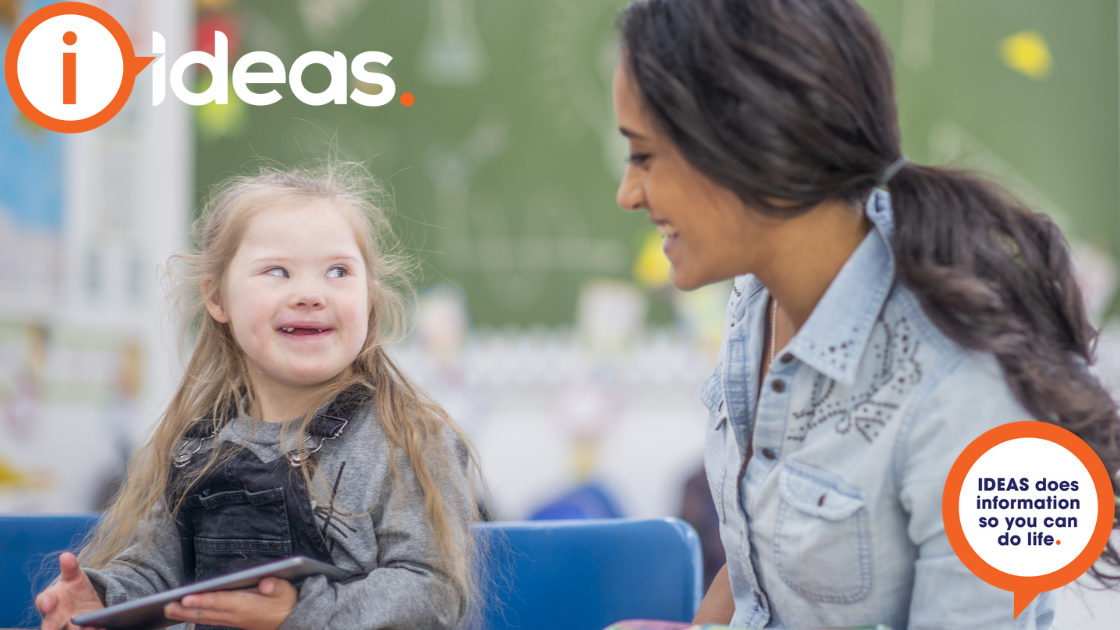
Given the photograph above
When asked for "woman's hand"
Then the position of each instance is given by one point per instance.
(73, 594)
(261, 608)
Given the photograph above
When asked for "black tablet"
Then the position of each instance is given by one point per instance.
(146, 613)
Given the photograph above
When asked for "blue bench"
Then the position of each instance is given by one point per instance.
(539, 575)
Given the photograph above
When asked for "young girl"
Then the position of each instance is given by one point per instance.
(292, 432)
(871, 335)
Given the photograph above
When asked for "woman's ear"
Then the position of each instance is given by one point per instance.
(213, 298)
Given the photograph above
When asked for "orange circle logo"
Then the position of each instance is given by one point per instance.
(70, 67)
(1028, 507)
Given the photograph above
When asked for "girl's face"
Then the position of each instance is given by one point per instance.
(710, 235)
(296, 297)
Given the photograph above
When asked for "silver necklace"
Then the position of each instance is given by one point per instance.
(773, 329)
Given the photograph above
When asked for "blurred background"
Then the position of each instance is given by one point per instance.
(546, 324)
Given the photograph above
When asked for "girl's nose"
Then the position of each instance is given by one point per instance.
(308, 297)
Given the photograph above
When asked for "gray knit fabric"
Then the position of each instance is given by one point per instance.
(380, 534)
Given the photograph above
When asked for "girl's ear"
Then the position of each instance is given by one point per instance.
(213, 297)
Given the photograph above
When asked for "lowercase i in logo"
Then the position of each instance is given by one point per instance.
(70, 67)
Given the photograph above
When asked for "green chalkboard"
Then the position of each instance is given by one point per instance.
(1048, 130)
(504, 170)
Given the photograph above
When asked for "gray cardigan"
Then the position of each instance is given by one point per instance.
(386, 538)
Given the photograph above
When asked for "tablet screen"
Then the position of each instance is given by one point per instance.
(146, 613)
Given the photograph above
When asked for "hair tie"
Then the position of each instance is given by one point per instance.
(892, 170)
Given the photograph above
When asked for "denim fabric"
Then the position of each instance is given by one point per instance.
(835, 519)
(244, 513)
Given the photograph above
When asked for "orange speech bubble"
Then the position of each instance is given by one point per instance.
(132, 66)
(1027, 587)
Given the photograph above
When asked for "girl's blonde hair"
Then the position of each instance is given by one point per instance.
(216, 377)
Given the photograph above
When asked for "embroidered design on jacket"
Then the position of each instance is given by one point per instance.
(868, 410)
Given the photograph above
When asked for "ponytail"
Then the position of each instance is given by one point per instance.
(996, 277)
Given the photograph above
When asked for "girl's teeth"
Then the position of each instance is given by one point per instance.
(288, 330)
(666, 231)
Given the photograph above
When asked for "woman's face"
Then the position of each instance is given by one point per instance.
(710, 235)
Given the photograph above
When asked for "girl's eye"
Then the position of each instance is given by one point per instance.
(279, 272)
(337, 272)
(638, 159)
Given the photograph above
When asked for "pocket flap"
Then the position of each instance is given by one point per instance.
(818, 492)
(241, 497)
(711, 391)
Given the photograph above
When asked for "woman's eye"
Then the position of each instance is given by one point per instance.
(638, 159)
(337, 272)
(279, 272)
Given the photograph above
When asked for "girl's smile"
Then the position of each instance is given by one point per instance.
(296, 298)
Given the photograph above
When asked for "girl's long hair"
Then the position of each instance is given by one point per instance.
(793, 100)
(216, 379)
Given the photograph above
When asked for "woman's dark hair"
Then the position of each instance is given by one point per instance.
(793, 100)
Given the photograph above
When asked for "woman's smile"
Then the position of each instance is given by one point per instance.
(710, 235)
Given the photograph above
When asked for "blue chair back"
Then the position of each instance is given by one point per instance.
(588, 574)
(25, 544)
(540, 575)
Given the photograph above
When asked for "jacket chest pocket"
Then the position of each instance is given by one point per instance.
(236, 529)
(822, 542)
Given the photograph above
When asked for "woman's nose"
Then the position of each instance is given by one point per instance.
(630, 195)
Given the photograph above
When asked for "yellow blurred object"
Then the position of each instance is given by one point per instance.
(585, 456)
(651, 267)
(11, 478)
(1027, 52)
(215, 121)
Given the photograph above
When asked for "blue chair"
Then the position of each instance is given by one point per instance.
(542, 575)
(26, 564)
(587, 574)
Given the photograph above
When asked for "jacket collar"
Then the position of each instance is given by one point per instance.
(834, 338)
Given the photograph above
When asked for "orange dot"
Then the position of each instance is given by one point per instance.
(407, 99)
(69, 38)
(1057, 542)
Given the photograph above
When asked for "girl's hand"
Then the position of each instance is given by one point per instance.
(73, 594)
(261, 608)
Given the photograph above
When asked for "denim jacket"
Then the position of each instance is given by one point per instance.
(835, 520)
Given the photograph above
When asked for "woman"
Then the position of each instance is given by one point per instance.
(870, 335)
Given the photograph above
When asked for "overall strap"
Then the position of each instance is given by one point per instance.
(328, 425)
(197, 433)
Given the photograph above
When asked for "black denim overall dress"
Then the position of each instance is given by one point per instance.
(245, 512)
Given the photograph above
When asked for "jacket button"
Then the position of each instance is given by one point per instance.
(768, 454)
(787, 357)
(778, 386)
